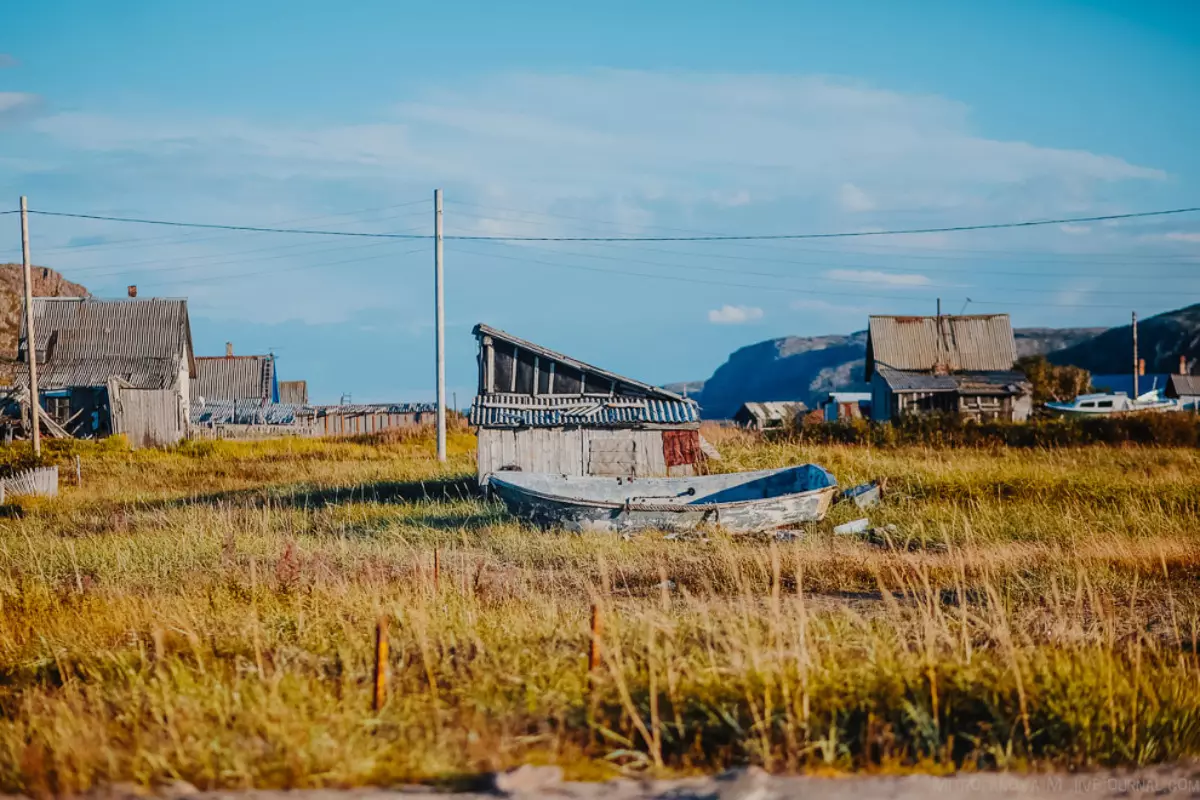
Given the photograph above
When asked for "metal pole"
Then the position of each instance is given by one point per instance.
(1135, 358)
(30, 336)
(441, 325)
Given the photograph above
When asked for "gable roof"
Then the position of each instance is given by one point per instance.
(234, 378)
(622, 385)
(771, 411)
(978, 342)
(84, 341)
(1183, 386)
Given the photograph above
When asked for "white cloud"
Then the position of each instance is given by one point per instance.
(14, 101)
(852, 198)
(734, 315)
(1180, 236)
(877, 278)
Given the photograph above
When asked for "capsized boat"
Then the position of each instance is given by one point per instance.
(740, 502)
(1091, 405)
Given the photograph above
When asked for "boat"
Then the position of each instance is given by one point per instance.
(1096, 405)
(740, 502)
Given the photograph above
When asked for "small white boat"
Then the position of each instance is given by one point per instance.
(1094, 405)
(741, 502)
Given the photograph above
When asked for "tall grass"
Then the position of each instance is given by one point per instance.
(208, 615)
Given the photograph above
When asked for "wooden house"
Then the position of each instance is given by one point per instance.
(771, 415)
(538, 410)
(948, 364)
(113, 366)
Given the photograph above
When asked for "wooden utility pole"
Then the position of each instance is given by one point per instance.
(1135, 358)
(30, 336)
(441, 325)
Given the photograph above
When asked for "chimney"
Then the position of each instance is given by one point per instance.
(229, 349)
(133, 290)
(1141, 366)
(1183, 365)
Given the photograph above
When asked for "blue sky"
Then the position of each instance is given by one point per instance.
(617, 119)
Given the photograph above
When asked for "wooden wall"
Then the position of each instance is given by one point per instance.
(576, 451)
(148, 417)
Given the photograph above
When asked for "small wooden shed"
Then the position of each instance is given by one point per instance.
(538, 410)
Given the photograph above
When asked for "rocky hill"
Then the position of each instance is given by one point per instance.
(805, 367)
(46, 283)
(1162, 339)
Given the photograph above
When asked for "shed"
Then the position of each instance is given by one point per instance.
(951, 364)
(293, 392)
(538, 410)
(1185, 389)
(113, 366)
(765, 416)
(842, 406)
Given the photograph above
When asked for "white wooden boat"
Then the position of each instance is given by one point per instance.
(1096, 405)
(742, 502)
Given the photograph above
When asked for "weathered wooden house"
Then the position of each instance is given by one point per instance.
(228, 378)
(949, 364)
(1185, 390)
(113, 366)
(541, 411)
(770, 415)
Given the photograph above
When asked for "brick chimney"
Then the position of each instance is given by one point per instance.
(133, 290)
(1183, 365)
(229, 349)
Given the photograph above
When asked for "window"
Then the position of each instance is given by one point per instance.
(1088, 404)
(1104, 404)
(59, 409)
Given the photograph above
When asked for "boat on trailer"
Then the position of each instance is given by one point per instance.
(741, 502)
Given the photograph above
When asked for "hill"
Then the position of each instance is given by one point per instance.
(805, 367)
(46, 283)
(1162, 339)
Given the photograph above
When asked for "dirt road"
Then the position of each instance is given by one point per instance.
(545, 783)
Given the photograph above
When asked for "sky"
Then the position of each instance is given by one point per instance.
(614, 120)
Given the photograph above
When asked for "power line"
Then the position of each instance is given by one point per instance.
(705, 238)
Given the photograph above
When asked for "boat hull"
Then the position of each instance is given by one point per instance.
(672, 504)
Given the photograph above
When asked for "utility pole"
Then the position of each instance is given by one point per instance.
(30, 336)
(1135, 358)
(441, 325)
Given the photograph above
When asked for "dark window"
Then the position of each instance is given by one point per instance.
(59, 409)
(1104, 404)
(1088, 404)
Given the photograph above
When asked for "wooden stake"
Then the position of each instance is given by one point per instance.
(78, 472)
(381, 658)
(594, 648)
(437, 569)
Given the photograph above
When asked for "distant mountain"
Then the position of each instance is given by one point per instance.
(806, 367)
(686, 388)
(1162, 340)
(46, 283)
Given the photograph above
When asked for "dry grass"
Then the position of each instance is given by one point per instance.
(208, 615)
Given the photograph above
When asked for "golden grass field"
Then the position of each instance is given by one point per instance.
(208, 615)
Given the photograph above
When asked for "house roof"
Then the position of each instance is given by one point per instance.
(84, 341)
(623, 385)
(233, 378)
(979, 342)
(525, 411)
(999, 382)
(772, 411)
(1183, 386)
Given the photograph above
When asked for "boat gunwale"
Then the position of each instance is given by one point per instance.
(660, 507)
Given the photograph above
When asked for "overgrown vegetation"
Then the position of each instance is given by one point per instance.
(945, 430)
(208, 615)
(1053, 381)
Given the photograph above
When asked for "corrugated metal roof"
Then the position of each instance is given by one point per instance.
(989, 382)
(85, 341)
(772, 411)
(226, 412)
(482, 330)
(975, 342)
(221, 378)
(377, 408)
(1184, 386)
(524, 411)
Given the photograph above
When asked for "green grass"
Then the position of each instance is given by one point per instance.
(208, 615)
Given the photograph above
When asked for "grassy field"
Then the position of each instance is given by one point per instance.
(208, 615)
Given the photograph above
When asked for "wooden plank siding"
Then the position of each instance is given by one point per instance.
(576, 451)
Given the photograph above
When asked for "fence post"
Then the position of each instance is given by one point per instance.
(78, 471)
(379, 696)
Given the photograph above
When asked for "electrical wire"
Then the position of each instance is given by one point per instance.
(704, 238)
